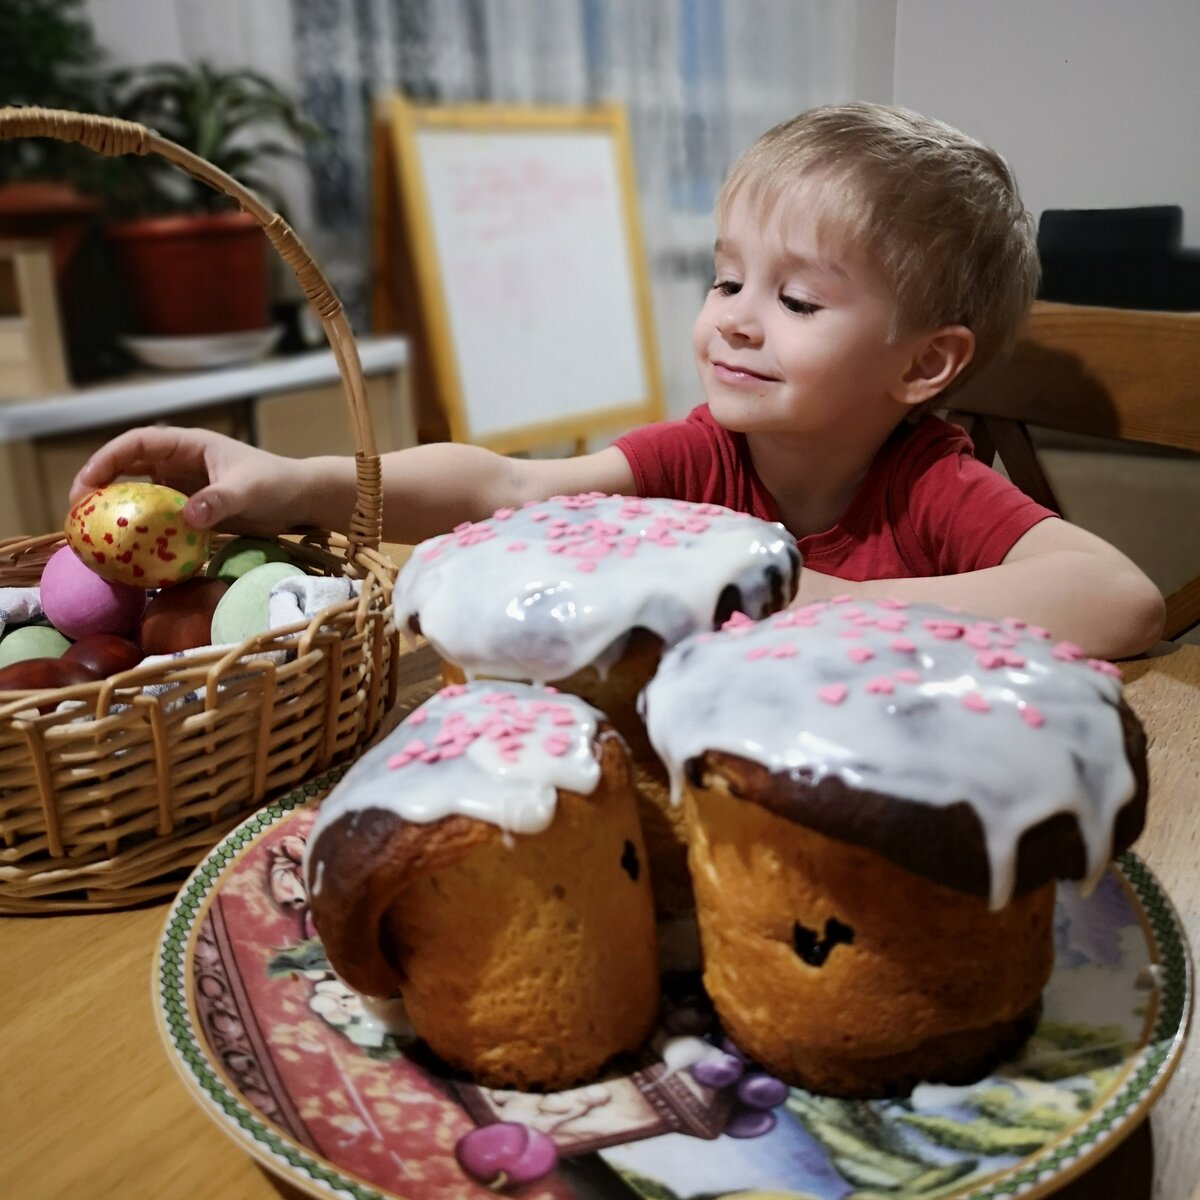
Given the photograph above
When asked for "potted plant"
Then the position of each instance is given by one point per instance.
(191, 262)
(49, 189)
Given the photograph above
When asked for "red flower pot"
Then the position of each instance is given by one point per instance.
(197, 274)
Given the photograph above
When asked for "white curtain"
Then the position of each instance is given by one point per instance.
(700, 80)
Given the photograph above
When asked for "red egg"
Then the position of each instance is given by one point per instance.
(104, 654)
(180, 617)
(33, 674)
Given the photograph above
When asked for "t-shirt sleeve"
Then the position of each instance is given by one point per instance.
(963, 515)
(672, 458)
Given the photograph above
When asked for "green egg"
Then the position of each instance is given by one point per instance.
(243, 554)
(242, 611)
(32, 641)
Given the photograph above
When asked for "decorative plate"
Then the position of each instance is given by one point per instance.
(290, 1065)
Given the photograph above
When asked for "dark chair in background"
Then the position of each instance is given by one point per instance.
(1118, 258)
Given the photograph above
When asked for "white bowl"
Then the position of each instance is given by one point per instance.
(203, 350)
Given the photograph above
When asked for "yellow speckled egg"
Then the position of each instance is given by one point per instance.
(135, 533)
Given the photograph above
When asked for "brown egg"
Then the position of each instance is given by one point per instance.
(104, 654)
(32, 674)
(180, 617)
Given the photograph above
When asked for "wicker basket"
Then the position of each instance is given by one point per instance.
(111, 801)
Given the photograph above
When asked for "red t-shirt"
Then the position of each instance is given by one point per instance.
(926, 507)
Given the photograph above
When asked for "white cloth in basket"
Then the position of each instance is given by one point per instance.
(18, 604)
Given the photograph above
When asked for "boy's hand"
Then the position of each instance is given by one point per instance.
(229, 483)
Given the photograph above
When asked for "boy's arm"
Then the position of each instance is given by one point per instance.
(426, 490)
(1057, 576)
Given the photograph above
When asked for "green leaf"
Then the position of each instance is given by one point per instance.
(979, 1136)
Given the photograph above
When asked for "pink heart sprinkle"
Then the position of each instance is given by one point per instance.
(881, 686)
(784, 650)
(515, 546)
(737, 620)
(903, 646)
(587, 564)
(419, 717)
(832, 693)
(756, 652)
(989, 660)
(502, 514)
(891, 624)
(859, 654)
(556, 744)
(1031, 716)
(399, 760)
(976, 703)
(453, 689)
(1104, 668)
(1067, 652)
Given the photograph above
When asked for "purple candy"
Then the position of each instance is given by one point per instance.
(749, 1122)
(506, 1154)
(720, 1071)
(757, 1089)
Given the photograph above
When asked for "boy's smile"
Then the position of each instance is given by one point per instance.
(794, 336)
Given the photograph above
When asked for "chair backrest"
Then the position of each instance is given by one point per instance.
(1128, 375)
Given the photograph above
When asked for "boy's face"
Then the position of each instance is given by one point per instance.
(793, 337)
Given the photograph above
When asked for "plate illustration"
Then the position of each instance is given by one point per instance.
(304, 1078)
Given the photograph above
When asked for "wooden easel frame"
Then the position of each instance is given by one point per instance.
(408, 291)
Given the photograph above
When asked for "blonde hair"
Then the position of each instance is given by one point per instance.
(937, 212)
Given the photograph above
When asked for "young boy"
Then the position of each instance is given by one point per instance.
(867, 261)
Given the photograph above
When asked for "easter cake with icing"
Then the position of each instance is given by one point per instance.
(484, 863)
(585, 592)
(881, 797)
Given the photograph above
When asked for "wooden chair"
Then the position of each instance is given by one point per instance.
(1111, 373)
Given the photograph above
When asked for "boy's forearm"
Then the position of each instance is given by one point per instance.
(1109, 612)
(426, 489)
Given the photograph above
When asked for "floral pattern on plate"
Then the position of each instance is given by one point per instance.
(311, 1084)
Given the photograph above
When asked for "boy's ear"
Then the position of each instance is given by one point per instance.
(938, 359)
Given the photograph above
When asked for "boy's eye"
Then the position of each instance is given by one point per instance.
(805, 308)
(727, 287)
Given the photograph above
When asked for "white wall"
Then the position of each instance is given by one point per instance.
(1095, 103)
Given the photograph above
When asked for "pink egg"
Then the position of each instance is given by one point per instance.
(78, 602)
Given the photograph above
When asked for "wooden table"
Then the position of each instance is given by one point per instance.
(91, 1106)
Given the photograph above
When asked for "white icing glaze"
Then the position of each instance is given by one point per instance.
(914, 701)
(542, 591)
(494, 752)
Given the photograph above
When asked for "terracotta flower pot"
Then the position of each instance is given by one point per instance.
(49, 211)
(197, 274)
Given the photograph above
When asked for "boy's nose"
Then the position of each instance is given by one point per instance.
(737, 323)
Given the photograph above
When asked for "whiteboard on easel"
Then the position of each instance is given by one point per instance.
(521, 226)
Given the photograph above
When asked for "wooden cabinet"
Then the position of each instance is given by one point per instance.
(290, 406)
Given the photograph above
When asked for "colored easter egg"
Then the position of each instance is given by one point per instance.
(36, 673)
(242, 611)
(180, 617)
(243, 554)
(78, 602)
(31, 641)
(105, 654)
(134, 533)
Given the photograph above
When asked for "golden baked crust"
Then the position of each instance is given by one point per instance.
(663, 824)
(526, 961)
(945, 844)
(843, 973)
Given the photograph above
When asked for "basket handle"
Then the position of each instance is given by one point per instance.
(107, 135)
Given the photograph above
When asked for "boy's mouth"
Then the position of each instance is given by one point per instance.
(733, 373)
